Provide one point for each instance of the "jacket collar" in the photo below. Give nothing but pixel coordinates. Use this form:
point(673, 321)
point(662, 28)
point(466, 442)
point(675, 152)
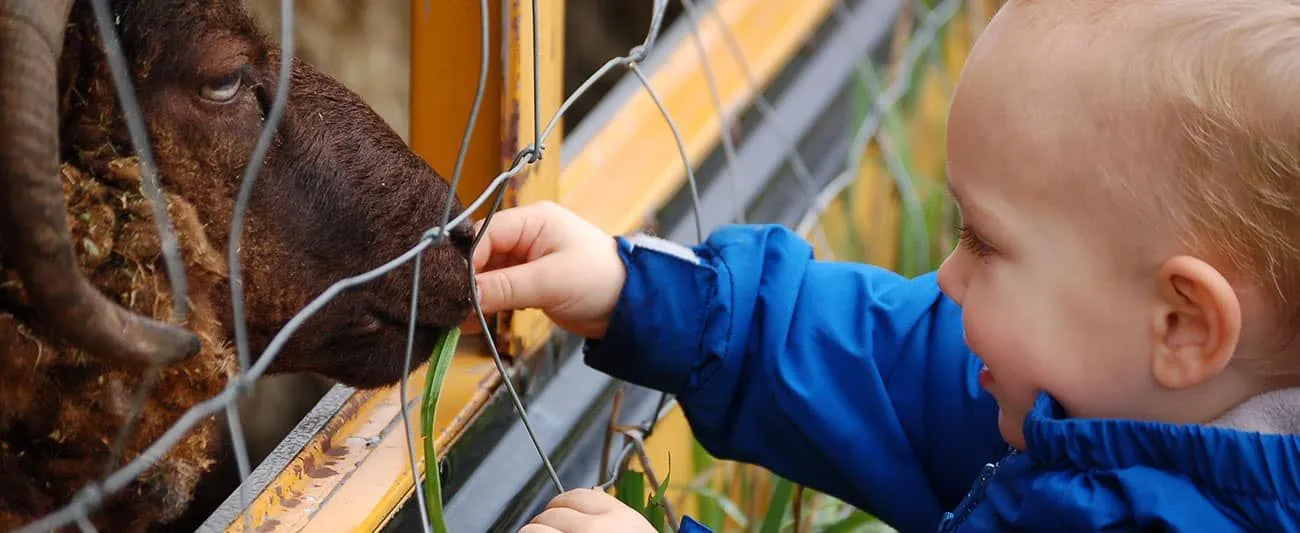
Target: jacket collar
point(1252, 451)
point(1275, 412)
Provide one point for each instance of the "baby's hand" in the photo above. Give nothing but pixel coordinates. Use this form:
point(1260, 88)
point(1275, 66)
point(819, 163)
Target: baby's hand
point(547, 257)
point(587, 511)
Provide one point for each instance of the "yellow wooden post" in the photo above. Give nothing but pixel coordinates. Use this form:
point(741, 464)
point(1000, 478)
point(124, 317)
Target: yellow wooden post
point(445, 64)
point(445, 69)
point(524, 114)
point(632, 166)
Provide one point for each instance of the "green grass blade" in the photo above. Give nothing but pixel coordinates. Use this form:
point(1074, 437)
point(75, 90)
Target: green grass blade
point(657, 512)
point(777, 506)
point(709, 511)
point(631, 490)
point(438, 365)
point(663, 485)
point(657, 518)
point(896, 155)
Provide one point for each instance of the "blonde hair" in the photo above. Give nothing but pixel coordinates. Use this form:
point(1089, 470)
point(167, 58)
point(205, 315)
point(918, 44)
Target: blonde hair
point(1225, 77)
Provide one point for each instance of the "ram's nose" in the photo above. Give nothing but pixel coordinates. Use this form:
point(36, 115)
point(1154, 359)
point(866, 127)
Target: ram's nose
point(462, 238)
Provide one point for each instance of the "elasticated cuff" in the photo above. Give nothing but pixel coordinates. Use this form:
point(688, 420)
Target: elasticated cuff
point(655, 337)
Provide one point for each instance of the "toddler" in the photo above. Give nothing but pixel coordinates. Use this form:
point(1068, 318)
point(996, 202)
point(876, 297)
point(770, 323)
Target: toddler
point(1111, 347)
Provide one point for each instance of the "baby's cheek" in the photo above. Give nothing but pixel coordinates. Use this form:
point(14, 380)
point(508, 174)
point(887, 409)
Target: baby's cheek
point(995, 343)
point(1009, 353)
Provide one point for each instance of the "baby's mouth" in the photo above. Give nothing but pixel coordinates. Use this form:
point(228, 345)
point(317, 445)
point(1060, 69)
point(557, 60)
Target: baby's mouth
point(986, 377)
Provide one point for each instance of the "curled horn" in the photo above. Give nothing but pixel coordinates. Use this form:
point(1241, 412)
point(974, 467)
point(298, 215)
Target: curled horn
point(33, 224)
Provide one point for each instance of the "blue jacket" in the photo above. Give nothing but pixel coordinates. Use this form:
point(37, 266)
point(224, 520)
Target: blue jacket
point(855, 381)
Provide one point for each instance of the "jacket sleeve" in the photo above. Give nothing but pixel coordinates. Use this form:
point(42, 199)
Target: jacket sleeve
point(844, 377)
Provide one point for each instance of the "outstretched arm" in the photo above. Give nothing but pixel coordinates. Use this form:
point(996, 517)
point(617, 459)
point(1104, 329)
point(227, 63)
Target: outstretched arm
point(848, 378)
point(845, 377)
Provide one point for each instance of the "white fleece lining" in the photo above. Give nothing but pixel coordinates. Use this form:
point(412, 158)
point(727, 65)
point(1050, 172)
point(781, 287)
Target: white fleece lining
point(664, 246)
point(1274, 412)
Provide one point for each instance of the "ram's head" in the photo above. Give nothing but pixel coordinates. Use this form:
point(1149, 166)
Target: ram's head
point(84, 299)
point(339, 192)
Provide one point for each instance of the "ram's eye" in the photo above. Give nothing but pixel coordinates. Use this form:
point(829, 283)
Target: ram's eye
point(224, 89)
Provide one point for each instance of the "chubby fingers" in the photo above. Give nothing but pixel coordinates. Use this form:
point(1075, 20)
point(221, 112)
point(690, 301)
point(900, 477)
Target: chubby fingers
point(519, 234)
point(530, 285)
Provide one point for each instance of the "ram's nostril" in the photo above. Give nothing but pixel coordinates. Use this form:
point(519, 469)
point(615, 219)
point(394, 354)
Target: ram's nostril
point(462, 237)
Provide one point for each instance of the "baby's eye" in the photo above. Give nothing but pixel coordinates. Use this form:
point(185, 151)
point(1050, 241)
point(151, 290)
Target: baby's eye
point(973, 243)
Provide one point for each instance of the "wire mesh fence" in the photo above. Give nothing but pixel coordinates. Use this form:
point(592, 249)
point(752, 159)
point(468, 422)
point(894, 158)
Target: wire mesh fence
point(876, 129)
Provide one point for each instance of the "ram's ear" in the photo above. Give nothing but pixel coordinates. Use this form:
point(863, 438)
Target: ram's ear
point(33, 224)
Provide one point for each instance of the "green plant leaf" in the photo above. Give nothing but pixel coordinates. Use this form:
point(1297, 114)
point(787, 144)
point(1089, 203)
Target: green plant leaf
point(709, 510)
point(439, 362)
point(663, 485)
point(896, 156)
point(777, 505)
point(631, 490)
point(656, 512)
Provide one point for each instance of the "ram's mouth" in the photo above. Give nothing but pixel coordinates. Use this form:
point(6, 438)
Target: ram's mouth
point(378, 320)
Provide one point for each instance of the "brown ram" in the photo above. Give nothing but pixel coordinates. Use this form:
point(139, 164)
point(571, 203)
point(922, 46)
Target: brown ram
point(80, 267)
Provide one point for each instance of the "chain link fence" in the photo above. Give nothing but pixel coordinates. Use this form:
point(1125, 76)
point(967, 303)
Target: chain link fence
point(871, 132)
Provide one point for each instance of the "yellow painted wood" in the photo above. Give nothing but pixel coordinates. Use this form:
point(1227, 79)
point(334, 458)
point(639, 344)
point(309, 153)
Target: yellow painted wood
point(379, 485)
point(444, 73)
point(351, 467)
point(632, 166)
point(529, 329)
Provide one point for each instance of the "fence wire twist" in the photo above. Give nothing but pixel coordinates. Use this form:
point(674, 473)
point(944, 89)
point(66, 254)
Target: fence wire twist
point(78, 511)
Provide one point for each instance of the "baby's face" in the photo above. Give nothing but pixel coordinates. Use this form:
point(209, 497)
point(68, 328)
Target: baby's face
point(1053, 297)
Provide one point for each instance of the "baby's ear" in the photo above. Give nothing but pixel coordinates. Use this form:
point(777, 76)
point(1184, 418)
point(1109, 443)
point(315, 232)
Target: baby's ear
point(1197, 323)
